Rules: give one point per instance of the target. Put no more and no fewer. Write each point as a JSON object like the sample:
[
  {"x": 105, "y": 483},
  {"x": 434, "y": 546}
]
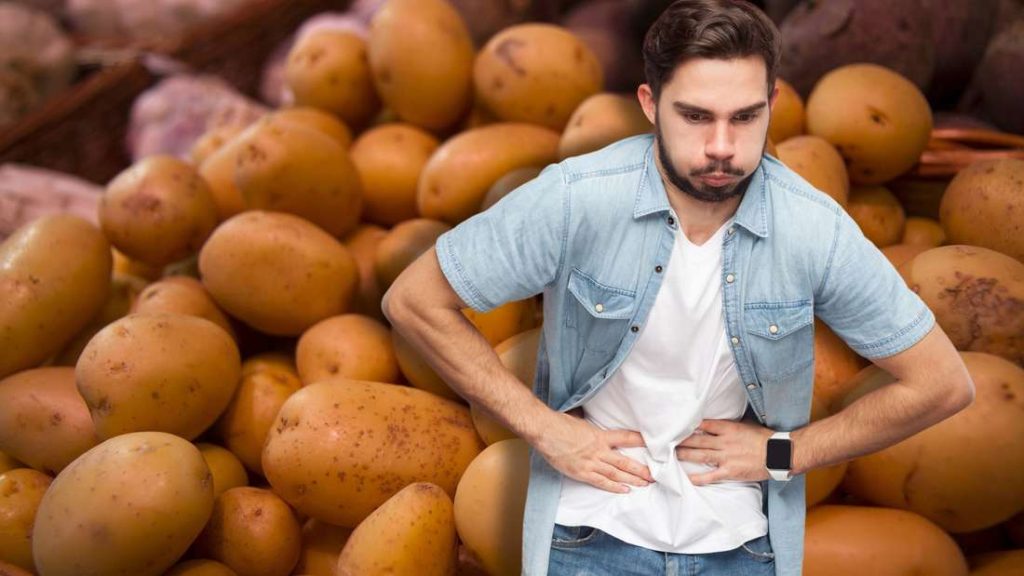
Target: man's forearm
[
  {"x": 875, "y": 421},
  {"x": 464, "y": 359}
]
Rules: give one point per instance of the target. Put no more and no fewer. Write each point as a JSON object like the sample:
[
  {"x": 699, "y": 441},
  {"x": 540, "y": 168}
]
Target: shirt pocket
[
  {"x": 600, "y": 314},
  {"x": 780, "y": 338}
]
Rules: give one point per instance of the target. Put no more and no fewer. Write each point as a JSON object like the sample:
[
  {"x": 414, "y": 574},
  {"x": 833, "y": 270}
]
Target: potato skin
[
  {"x": 341, "y": 448},
  {"x": 878, "y": 214},
  {"x": 304, "y": 275},
  {"x": 983, "y": 205},
  {"x": 389, "y": 160},
  {"x": 44, "y": 422},
  {"x": 456, "y": 178},
  {"x": 54, "y": 278},
  {"x": 347, "y": 346},
  {"x": 145, "y": 496},
  {"x": 21, "y": 491},
  {"x": 431, "y": 88},
  {"x": 167, "y": 372},
  {"x": 329, "y": 70},
  {"x": 818, "y": 162},
  {"x": 600, "y": 120},
  {"x": 181, "y": 295}
]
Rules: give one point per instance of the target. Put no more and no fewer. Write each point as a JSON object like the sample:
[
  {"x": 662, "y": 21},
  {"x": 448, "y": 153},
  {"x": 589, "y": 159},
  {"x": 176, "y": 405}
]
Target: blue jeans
[{"x": 587, "y": 551}]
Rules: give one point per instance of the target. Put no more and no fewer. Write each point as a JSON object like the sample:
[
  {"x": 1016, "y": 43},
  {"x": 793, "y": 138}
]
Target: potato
[
  {"x": 919, "y": 196},
  {"x": 226, "y": 468},
  {"x": 287, "y": 167},
  {"x": 822, "y": 482},
  {"x": 318, "y": 120},
  {"x": 253, "y": 532},
  {"x": 363, "y": 245},
  {"x": 787, "y": 116},
  {"x": 267, "y": 381},
  {"x": 7, "y": 569},
  {"x": 996, "y": 85},
  {"x": 878, "y": 214},
  {"x": 422, "y": 61},
  {"x": 977, "y": 296},
  {"x": 200, "y": 568},
  {"x": 218, "y": 171},
  {"x": 304, "y": 275},
  {"x": 536, "y": 73},
  {"x": 403, "y": 245},
  {"x": 389, "y": 160},
  {"x": 1003, "y": 563},
  {"x": 961, "y": 32},
  {"x": 818, "y": 162},
  {"x": 519, "y": 355},
  {"x": 124, "y": 265},
  {"x": 983, "y": 206},
  {"x": 900, "y": 253},
  {"x": 214, "y": 139},
  {"x": 124, "y": 291},
  {"x": 330, "y": 70},
  {"x": 947, "y": 473},
  {"x": 321, "y": 547},
  {"x": 489, "y": 506},
  {"x": 348, "y": 346},
  {"x": 159, "y": 210},
  {"x": 420, "y": 374},
  {"x": 323, "y": 455},
  {"x": 44, "y": 422},
  {"x": 601, "y": 120},
  {"x": 21, "y": 491},
  {"x": 507, "y": 183},
  {"x": 166, "y": 372},
  {"x": 923, "y": 231},
  {"x": 413, "y": 532},
  {"x": 835, "y": 364},
  {"x": 181, "y": 295},
  {"x": 855, "y": 540},
  {"x": 144, "y": 495},
  {"x": 7, "y": 462},
  {"x": 877, "y": 119},
  {"x": 456, "y": 178},
  {"x": 54, "y": 278}
]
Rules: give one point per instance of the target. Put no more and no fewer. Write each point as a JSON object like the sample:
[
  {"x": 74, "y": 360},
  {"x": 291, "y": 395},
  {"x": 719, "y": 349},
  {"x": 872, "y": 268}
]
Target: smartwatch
[{"x": 779, "y": 460}]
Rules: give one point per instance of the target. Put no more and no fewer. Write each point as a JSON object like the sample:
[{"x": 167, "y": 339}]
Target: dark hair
[{"x": 717, "y": 29}]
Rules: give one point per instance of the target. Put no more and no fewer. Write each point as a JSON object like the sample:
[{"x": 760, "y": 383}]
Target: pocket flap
[
  {"x": 599, "y": 300},
  {"x": 774, "y": 321}
]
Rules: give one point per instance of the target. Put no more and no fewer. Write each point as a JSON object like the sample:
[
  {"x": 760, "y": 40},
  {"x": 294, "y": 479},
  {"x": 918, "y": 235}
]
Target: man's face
[{"x": 711, "y": 122}]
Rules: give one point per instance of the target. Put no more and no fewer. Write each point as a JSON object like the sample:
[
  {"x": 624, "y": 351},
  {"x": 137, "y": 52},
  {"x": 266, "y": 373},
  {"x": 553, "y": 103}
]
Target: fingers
[
  {"x": 630, "y": 467},
  {"x": 706, "y": 441},
  {"x": 605, "y": 483},
  {"x": 715, "y": 426},
  {"x": 620, "y": 476},
  {"x": 697, "y": 456},
  {"x": 624, "y": 438},
  {"x": 711, "y": 477}
]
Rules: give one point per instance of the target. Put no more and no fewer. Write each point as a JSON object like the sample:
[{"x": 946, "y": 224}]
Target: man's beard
[{"x": 702, "y": 192}]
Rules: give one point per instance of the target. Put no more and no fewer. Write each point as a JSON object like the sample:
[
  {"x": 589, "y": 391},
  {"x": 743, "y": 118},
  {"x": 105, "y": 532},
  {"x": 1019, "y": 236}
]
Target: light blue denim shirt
[{"x": 589, "y": 233}]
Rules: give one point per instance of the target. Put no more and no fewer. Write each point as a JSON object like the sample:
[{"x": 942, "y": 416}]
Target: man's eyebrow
[{"x": 686, "y": 107}]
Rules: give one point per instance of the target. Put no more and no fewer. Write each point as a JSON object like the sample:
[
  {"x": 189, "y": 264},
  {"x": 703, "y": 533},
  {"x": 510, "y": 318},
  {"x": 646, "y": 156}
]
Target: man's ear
[
  {"x": 773, "y": 96},
  {"x": 647, "y": 102}
]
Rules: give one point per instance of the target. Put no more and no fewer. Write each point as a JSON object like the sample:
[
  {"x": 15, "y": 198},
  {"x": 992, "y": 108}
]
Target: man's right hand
[{"x": 586, "y": 453}]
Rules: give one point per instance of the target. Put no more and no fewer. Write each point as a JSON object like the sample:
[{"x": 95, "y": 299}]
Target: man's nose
[{"x": 720, "y": 145}]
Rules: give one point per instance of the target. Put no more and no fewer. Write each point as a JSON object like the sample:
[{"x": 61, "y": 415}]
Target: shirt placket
[{"x": 731, "y": 294}]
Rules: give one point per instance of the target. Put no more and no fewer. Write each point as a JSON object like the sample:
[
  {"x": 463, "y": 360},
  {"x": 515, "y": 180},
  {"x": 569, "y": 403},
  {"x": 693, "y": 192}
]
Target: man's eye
[
  {"x": 745, "y": 118},
  {"x": 694, "y": 117}
]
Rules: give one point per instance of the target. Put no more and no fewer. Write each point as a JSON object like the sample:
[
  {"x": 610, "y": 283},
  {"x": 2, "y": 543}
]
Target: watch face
[{"x": 779, "y": 454}]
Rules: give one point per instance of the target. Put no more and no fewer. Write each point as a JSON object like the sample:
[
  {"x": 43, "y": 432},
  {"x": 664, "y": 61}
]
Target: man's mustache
[{"x": 717, "y": 168}]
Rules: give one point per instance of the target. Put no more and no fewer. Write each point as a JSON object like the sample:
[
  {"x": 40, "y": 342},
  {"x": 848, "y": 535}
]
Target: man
[{"x": 681, "y": 274}]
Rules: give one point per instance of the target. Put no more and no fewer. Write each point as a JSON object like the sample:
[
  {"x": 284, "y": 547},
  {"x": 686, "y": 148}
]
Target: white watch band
[{"x": 781, "y": 475}]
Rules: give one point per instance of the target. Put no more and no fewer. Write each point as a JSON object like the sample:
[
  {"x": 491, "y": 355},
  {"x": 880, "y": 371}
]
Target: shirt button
[
  {"x": 658, "y": 269},
  {"x": 773, "y": 329},
  {"x": 671, "y": 221},
  {"x": 599, "y": 307},
  {"x": 635, "y": 329},
  {"x": 731, "y": 230},
  {"x": 730, "y": 278},
  {"x": 735, "y": 341},
  {"x": 751, "y": 386}
]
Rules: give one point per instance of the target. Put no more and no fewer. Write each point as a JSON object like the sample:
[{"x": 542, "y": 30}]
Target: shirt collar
[{"x": 752, "y": 213}]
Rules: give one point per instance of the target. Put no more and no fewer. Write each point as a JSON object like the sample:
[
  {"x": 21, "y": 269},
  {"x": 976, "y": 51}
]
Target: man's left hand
[{"x": 737, "y": 450}]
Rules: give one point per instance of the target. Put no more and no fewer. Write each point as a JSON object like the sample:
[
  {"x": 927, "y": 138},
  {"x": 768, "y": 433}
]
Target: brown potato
[
  {"x": 321, "y": 547},
  {"x": 601, "y": 120},
  {"x": 1003, "y": 563},
  {"x": 304, "y": 275},
  {"x": 878, "y": 120},
  {"x": 218, "y": 171},
  {"x": 456, "y": 179},
  {"x": 323, "y": 454},
  {"x": 787, "y": 117},
  {"x": 21, "y": 491},
  {"x": 166, "y": 372},
  {"x": 822, "y": 482},
  {"x": 413, "y": 532},
  {"x": 330, "y": 70},
  {"x": 519, "y": 355},
  {"x": 181, "y": 295},
  {"x": 855, "y": 540},
  {"x": 124, "y": 265},
  {"x": 923, "y": 231},
  {"x": 253, "y": 532},
  {"x": 226, "y": 468},
  {"x": 214, "y": 139},
  {"x": 900, "y": 253},
  {"x": 7, "y": 569},
  {"x": 536, "y": 73},
  {"x": 389, "y": 160},
  {"x": 835, "y": 364},
  {"x": 200, "y": 568},
  {"x": 489, "y": 506},
  {"x": 318, "y": 120},
  {"x": 403, "y": 245},
  {"x": 878, "y": 213},
  {"x": 984, "y": 204},
  {"x": 422, "y": 61},
  {"x": 818, "y": 162},
  {"x": 348, "y": 346},
  {"x": 158, "y": 211},
  {"x": 7, "y": 462},
  {"x": 363, "y": 245},
  {"x": 508, "y": 183},
  {"x": 44, "y": 422},
  {"x": 124, "y": 291},
  {"x": 267, "y": 381},
  {"x": 54, "y": 279},
  {"x": 977, "y": 296},
  {"x": 946, "y": 473},
  {"x": 147, "y": 495}
]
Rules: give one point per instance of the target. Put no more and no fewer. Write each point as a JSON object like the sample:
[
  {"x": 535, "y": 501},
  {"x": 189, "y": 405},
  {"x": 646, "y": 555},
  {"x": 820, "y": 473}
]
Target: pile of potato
[{"x": 205, "y": 384}]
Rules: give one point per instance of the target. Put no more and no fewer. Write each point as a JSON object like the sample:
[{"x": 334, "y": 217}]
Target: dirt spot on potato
[
  {"x": 981, "y": 301},
  {"x": 56, "y": 418},
  {"x": 141, "y": 202},
  {"x": 505, "y": 51}
]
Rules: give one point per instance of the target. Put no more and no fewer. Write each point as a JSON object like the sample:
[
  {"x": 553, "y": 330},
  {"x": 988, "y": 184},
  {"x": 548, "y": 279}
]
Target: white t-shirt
[{"x": 679, "y": 372}]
